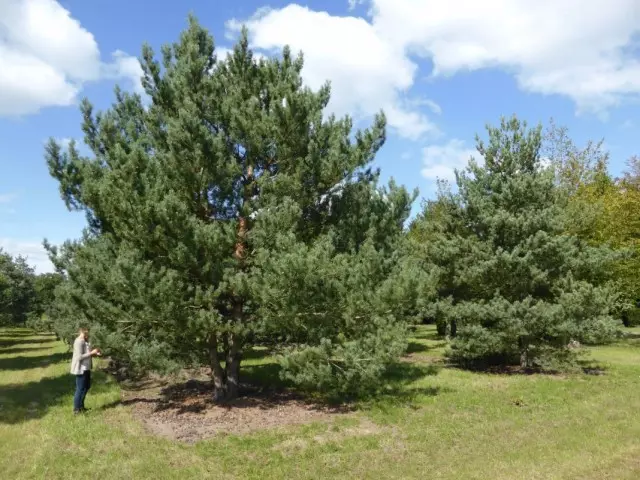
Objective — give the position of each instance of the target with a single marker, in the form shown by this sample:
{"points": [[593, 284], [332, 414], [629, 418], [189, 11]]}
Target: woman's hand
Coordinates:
{"points": [[95, 352]]}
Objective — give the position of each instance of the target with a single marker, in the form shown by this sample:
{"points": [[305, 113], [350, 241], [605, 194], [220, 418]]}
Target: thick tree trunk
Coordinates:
{"points": [[226, 381], [454, 328], [217, 373]]}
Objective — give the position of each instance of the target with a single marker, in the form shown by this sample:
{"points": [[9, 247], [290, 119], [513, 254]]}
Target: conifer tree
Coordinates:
{"points": [[515, 287], [17, 293], [231, 209]]}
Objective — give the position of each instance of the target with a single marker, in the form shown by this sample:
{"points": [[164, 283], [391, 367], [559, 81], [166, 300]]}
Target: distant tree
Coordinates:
{"points": [[518, 288], [600, 209], [17, 294], [229, 210], [425, 239], [41, 316]]}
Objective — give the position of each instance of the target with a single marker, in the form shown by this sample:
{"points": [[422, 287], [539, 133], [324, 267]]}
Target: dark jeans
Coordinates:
{"points": [[83, 384]]}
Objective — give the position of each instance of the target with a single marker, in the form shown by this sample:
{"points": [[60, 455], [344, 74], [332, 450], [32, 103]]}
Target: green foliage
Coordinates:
{"points": [[513, 287], [40, 315], [227, 210], [17, 292], [602, 210]]}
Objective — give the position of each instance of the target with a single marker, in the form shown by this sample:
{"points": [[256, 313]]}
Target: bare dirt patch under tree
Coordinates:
{"points": [[185, 411]]}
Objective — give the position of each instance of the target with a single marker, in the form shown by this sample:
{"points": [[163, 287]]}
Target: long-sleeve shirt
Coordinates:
{"points": [[81, 359]]}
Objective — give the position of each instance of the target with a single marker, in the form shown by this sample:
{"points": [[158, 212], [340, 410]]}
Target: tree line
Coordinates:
{"points": [[227, 209], [26, 298]]}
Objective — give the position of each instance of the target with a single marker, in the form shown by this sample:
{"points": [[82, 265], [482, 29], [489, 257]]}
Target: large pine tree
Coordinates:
{"points": [[513, 286], [227, 209]]}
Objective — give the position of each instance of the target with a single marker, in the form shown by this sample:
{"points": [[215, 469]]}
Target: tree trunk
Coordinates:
{"points": [[454, 328], [524, 358], [232, 367], [217, 373], [226, 381]]}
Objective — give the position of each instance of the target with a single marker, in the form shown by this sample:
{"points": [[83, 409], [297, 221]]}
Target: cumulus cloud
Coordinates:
{"points": [[33, 251], [366, 71], [46, 57], [441, 161], [127, 67], [586, 51], [582, 50]]}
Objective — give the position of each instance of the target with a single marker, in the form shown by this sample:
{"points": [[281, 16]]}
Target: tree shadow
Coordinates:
{"points": [[8, 343], [630, 336], [22, 402], [26, 363], [259, 353], [419, 347], [12, 351], [20, 334], [262, 388], [422, 334]]}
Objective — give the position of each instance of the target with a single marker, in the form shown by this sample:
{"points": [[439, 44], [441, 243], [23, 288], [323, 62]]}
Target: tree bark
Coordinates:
{"points": [[232, 368], [524, 359], [226, 381], [217, 373]]}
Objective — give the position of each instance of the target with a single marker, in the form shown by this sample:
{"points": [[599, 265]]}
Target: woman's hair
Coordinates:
{"points": [[83, 330]]}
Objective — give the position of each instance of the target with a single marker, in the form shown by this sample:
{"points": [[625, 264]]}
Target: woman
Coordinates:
{"points": [[81, 364]]}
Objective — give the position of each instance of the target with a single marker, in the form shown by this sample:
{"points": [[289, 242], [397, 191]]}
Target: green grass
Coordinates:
{"points": [[444, 423]]}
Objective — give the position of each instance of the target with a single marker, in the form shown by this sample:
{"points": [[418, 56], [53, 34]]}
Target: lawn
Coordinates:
{"points": [[443, 423]]}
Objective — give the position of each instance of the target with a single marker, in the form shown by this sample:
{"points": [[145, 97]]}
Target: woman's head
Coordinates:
{"points": [[83, 332]]}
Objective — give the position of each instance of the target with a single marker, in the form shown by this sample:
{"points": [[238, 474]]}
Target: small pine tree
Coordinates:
{"points": [[513, 286], [232, 211]]}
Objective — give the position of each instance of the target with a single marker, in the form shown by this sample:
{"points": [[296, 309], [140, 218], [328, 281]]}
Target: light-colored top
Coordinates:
{"points": [[81, 359]]}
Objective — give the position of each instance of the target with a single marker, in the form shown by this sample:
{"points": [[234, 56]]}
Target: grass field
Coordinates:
{"points": [[443, 423]]}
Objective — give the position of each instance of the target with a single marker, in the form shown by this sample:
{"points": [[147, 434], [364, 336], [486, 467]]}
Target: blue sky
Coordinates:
{"points": [[440, 70]]}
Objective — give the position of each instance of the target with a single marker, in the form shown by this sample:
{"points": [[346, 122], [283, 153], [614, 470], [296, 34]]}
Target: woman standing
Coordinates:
{"points": [[81, 364]]}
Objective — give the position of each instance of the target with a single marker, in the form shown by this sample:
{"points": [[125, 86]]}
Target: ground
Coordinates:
{"points": [[434, 422]]}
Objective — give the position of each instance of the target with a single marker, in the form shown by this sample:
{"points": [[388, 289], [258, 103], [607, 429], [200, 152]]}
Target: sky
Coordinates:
{"points": [[439, 70]]}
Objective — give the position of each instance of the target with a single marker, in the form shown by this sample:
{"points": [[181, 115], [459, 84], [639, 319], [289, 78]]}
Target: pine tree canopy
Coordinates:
{"points": [[226, 208], [513, 286]]}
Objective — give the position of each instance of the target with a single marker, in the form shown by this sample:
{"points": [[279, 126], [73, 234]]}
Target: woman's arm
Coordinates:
{"points": [[78, 347]]}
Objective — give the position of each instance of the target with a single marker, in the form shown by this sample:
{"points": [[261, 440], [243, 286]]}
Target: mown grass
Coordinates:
{"points": [[443, 423]]}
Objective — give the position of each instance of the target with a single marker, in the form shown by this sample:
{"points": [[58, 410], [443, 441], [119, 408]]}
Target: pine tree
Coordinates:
{"points": [[17, 293], [232, 210], [515, 287]]}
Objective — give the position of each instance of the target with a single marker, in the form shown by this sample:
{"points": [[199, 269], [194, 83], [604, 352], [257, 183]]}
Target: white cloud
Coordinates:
{"points": [[581, 50], [354, 3], [34, 252], [46, 56], [440, 161], [127, 67], [367, 72]]}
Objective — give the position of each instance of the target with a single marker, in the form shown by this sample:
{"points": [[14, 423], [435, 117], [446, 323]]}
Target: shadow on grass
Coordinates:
{"points": [[19, 334], [397, 389], [417, 347], [29, 401], [256, 354], [262, 388], [10, 342], [422, 334], [13, 351], [26, 363]]}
